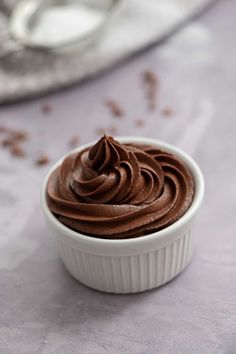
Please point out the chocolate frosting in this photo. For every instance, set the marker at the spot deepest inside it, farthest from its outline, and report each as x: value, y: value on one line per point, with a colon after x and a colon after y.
x: 114, y: 190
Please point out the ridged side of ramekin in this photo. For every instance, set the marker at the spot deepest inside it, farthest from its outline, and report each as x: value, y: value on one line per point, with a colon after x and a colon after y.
x: 130, y: 265
x: 128, y: 274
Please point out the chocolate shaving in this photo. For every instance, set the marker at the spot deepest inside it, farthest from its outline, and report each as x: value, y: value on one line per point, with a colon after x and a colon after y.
x: 17, y: 151
x: 151, y: 83
x: 42, y: 160
x: 7, y: 142
x: 139, y: 123
x: 115, y: 108
x: 13, y: 140
x: 46, y: 108
x: 167, y: 112
x: 13, y: 136
x: 19, y: 135
x: 3, y: 129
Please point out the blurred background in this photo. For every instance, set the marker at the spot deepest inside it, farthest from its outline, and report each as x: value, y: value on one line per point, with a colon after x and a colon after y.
x: 47, y: 45
x: 69, y: 72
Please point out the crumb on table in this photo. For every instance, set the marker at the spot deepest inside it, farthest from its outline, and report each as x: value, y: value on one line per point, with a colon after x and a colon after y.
x: 19, y: 135
x: 46, y: 108
x: 7, y: 142
x: 151, y: 84
x: 115, y: 108
x: 139, y: 123
x: 17, y: 151
x: 3, y: 129
x: 167, y: 112
x: 42, y: 160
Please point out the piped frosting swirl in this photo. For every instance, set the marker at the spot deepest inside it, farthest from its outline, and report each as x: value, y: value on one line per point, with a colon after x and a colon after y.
x: 114, y: 190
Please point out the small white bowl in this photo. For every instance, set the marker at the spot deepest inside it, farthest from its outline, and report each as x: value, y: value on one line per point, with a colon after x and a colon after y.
x: 136, y: 264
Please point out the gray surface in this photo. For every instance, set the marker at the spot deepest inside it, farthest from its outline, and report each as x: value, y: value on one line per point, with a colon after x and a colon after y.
x: 43, y: 310
x: 136, y: 25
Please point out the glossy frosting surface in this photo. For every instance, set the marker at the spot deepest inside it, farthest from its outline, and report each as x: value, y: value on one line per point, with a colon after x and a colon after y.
x: 114, y: 190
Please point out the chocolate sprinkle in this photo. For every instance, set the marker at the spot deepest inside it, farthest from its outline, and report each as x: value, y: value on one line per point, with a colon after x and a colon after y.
x: 46, y: 108
x: 17, y: 151
x: 151, y: 83
x: 3, y: 129
x: 19, y: 135
x: 7, y: 142
x: 115, y: 108
x: 42, y: 160
x: 167, y: 112
x: 139, y: 123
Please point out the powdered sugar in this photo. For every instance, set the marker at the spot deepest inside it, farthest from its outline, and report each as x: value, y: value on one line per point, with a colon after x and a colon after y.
x: 62, y: 23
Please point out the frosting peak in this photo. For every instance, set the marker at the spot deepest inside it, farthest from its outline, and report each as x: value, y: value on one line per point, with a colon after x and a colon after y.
x: 106, y: 154
x: 115, y: 190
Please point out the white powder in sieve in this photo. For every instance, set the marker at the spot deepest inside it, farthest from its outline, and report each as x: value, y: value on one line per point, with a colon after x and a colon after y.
x: 59, y: 24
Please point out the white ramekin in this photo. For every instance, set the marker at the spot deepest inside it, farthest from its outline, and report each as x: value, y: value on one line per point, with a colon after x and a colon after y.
x: 130, y: 265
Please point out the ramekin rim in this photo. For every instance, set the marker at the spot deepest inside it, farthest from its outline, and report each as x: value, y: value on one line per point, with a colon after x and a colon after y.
x: 198, y: 196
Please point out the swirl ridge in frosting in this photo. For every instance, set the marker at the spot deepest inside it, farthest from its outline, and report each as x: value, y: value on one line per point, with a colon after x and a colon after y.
x: 114, y: 190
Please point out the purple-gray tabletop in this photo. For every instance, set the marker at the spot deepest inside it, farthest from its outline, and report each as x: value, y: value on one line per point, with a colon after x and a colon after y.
x: 43, y: 309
